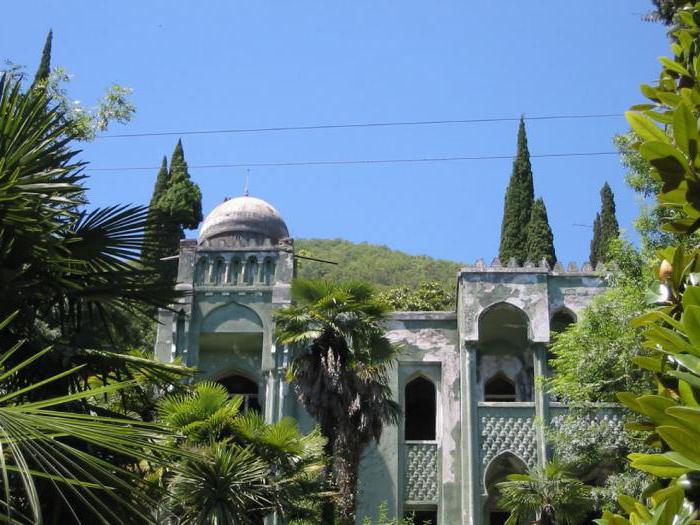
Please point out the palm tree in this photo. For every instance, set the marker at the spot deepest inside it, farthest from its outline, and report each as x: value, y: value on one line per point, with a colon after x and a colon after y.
x: 244, y: 468
x: 339, y: 373
x: 43, y: 453
x: 548, y: 493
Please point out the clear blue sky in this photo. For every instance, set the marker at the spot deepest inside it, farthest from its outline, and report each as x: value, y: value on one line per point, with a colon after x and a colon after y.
x: 232, y: 64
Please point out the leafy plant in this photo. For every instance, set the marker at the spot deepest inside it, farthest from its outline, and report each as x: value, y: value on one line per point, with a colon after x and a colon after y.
x: 548, y: 492
x: 242, y: 468
x: 339, y: 373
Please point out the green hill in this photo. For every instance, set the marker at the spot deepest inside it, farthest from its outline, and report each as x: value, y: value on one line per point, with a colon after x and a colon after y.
x: 379, y: 265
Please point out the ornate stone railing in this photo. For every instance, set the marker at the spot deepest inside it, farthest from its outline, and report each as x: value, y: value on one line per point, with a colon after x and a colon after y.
x: 507, y: 427
x: 421, y: 472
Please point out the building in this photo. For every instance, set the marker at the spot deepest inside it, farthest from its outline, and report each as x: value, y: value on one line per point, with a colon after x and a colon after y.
x: 467, y: 379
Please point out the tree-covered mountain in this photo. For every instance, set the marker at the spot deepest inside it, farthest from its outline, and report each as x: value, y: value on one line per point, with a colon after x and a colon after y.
x: 380, y: 265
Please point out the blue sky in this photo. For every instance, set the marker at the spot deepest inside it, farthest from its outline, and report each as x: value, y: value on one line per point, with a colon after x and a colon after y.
x: 232, y: 64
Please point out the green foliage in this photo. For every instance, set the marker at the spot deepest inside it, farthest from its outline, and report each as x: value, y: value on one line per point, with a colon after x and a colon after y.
x: 429, y: 297
x: 44, y: 451
x: 518, y: 204
x: 605, y: 227
x: 593, y: 357
x: 340, y: 372
x: 374, y: 264
x: 540, y: 240
x: 383, y: 517
x: 240, y: 468
x: 176, y: 205
x: 665, y: 11
x: 664, y: 507
x: 44, y: 69
x: 548, y: 492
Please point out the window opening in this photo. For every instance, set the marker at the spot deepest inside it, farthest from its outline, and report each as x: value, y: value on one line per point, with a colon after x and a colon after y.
x: 251, y: 269
x: 499, y: 388
x: 421, y: 516
x: 201, y: 271
x: 420, y: 410
x: 239, y: 385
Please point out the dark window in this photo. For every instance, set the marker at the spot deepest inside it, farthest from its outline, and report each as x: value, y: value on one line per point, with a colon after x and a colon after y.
x: 239, y: 385
x: 218, y: 271
x: 499, y: 388
x: 561, y: 320
x: 201, y: 271
x: 251, y: 270
x: 420, y: 410
x: 498, y: 517
x: 422, y: 516
x: 234, y: 274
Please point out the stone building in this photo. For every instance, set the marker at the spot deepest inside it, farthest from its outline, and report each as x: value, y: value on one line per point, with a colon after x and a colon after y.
x: 467, y: 378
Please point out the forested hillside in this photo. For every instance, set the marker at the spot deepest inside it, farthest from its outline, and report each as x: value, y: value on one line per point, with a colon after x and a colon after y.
x: 370, y: 262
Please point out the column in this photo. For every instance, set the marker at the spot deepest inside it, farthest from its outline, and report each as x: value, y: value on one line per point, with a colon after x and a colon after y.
x: 471, y: 486
x: 541, y: 401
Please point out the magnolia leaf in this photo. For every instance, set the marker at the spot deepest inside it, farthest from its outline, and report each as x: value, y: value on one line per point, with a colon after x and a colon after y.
x: 659, y: 465
x: 685, y: 130
x: 655, y: 408
x: 645, y: 127
x: 667, y: 160
x: 687, y: 395
x: 674, y: 66
x: 691, y: 323
x: 682, y: 441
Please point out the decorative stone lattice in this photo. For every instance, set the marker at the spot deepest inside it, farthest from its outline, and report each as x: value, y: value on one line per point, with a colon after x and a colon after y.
x: 421, y: 472
x: 501, y: 433
x: 611, y: 419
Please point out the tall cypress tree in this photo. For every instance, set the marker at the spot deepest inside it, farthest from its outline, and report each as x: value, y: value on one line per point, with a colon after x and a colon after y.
x: 540, y: 240
x: 44, y: 69
x: 179, y: 207
x: 605, y: 228
x: 595, y: 242
x: 153, y: 250
x: 518, y: 204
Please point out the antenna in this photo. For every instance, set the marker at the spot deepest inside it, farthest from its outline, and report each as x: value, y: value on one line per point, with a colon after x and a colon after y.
x: 246, y: 193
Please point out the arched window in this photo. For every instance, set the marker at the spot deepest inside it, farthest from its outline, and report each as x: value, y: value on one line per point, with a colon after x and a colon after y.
x: 420, y: 410
x: 239, y: 385
x: 218, y: 271
x: 234, y: 271
x: 251, y: 270
x: 499, y: 388
x: 268, y: 271
x: 561, y: 320
x: 200, y: 272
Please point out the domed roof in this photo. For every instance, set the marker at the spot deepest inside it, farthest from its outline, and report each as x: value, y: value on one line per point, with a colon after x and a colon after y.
x: 244, y: 215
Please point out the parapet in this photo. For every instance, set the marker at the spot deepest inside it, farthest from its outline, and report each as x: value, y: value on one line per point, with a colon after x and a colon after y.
x: 529, y: 267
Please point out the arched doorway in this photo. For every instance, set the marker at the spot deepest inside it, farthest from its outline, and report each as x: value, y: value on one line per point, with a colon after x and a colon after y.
x: 496, y: 471
x: 237, y: 384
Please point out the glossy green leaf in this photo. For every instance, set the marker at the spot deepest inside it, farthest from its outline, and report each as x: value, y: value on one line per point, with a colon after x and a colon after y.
x: 645, y: 127
x: 658, y: 465
x: 685, y: 131
x: 668, y: 161
x: 674, y: 66
x: 683, y: 441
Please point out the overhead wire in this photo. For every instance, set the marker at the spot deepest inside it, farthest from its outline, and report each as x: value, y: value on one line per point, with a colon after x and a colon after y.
x: 356, y: 125
x: 362, y: 161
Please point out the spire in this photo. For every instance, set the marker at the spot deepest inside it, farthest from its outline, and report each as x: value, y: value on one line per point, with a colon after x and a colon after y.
x: 246, y: 193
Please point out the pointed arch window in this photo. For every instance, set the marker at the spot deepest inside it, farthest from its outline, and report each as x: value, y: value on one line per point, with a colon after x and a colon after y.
x: 242, y: 386
x: 200, y: 273
x: 420, y: 410
x: 500, y: 388
x: 234, y: 271
x: 251, y: 270
x: 218, y: 271
x: 268, y: 271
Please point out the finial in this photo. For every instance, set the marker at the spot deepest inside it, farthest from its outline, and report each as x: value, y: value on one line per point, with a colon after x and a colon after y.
x: 246, y: 193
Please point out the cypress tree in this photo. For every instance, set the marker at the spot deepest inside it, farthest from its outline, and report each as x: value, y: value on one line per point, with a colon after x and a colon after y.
x: 595, y: 242
x: 152, y: 248
x: 605, y: 228
x: 179, y: 207
x: 44, y: 69
x: 540, y: 240
x: 518, y: 204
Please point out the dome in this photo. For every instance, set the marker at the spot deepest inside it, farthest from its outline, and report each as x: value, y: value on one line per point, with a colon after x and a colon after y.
x: 244, y: 215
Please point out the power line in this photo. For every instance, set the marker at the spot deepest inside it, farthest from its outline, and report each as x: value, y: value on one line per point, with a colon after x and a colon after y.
x: 362, y: 161
x: 355, y: 125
